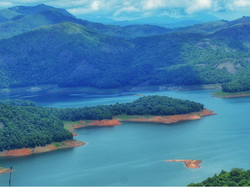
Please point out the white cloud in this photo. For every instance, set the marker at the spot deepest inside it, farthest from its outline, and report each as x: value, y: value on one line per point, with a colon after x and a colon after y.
x: 154, y: 4
x: 126, y: 10
x: 95, y: 5
x: 5, y: 4
x: 242, y: 3
x: 67, y: 3
x: 139, y: 8
x: 79, y: 11
x: 199, y: 5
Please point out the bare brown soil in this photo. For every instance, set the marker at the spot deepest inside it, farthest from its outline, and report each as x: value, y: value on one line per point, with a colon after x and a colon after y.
x: 189, y: 163
x: 104, y: 123
x: 18, y: 152
x: 47, y: 148
x: 174, y: 118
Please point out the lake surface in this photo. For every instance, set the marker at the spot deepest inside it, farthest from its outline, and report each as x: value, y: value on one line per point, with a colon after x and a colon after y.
x: 134, y: 153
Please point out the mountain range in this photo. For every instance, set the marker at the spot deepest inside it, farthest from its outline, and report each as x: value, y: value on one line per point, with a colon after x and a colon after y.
x: 163, y: 20
x: 45, y: 45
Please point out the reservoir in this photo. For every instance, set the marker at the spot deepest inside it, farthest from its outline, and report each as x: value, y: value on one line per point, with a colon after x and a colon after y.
x: 134, y: 154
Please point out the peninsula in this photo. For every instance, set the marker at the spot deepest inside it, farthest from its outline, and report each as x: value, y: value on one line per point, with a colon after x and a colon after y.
x: 41, y: 129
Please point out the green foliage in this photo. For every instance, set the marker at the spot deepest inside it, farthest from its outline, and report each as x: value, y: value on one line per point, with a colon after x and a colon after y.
x: 27, y: 126
x: 56, y: 48
x: 18, y: 102
x: 236, y: 85
x: 236, y: 177
x: 149, y: 105
x: 24, y: 125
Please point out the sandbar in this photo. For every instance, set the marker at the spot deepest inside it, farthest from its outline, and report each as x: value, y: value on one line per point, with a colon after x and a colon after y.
x: 189, y: 163
x: 5, y: 170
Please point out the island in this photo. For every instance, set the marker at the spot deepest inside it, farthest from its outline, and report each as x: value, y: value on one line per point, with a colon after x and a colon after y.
x: 189, y: 163
x: 27, y: 129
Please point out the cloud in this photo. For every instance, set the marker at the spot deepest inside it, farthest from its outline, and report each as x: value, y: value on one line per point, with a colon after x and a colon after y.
x: 139, y: 8
x: 199, y: 5
x: 242, y: 3
x: 154, y: 4
x: 95, y: 5
x: 6, y: 4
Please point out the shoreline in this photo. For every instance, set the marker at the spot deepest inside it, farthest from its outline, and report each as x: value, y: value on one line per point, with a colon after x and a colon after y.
x: 169, y: 119
x: 192, y: 164
x: 42, y: 149
x: 102, y: 123
x: 72, y: 126
x: 54, y: 89
x: 117, y: 120
x: 5, y: 170
x: 221, y: 94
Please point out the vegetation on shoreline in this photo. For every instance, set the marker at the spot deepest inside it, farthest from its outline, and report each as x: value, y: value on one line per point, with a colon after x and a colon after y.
x: 22, y: 124
x: 82, y: 53
x: 222, y: 94
x: 236, y: 177
x: 240, y: 83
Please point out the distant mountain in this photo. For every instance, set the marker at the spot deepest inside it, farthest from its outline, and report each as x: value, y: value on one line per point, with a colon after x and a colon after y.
x: 214, y: 26
x: 146, y: 30
x: 27, y: 10
x: 21, y: 19
x: 12, y: 12
x: 163, y: 21
x: 54, y: 48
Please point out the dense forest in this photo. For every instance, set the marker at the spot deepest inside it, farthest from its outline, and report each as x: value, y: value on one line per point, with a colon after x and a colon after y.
x: 22, y: 124
x: 57, y: 48
x: 239, y: 83
x: 236, y: 177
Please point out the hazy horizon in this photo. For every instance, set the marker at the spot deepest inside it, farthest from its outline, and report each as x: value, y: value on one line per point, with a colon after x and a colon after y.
x: 136, y: 9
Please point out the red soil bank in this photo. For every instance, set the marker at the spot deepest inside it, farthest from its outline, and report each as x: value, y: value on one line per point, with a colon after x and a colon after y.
x: 104, y: 123
x: 189, y: 163
x: 174, y: 118
x: 18, y: 152
x: 47, y: 148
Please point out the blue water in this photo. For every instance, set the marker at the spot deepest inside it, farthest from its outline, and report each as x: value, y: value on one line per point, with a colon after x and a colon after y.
x: 134, y: 153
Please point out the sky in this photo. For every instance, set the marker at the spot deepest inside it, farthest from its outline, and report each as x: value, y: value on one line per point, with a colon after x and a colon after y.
x: 132, y: 9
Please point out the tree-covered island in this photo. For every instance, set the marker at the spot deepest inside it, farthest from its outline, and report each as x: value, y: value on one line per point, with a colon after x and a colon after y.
x: 25, y: 125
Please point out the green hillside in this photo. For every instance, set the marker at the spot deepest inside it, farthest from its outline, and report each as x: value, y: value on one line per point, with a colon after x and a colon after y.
x: 55, y: 48
x: 22, y: 19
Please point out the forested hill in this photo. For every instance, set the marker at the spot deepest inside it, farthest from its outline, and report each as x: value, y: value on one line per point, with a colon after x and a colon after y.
x: 57, y: 48
x: 22, y: 124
